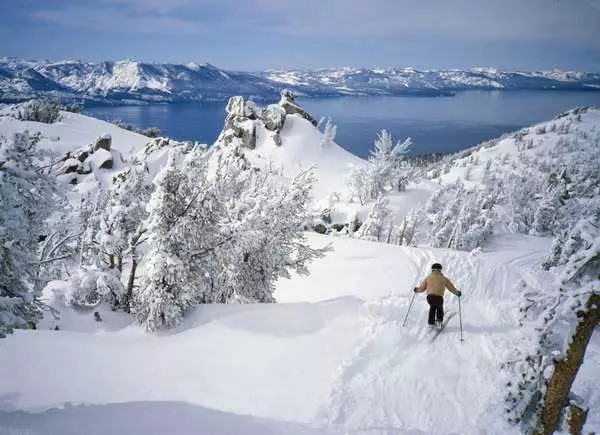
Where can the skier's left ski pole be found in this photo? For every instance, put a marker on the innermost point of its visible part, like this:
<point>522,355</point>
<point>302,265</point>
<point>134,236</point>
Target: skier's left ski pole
<point>411,302</point>
<point>460,317</point>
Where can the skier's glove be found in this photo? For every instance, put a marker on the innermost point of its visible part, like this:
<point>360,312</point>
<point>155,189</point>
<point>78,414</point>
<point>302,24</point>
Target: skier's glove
<point>459,293</point>
<point>416,290</point>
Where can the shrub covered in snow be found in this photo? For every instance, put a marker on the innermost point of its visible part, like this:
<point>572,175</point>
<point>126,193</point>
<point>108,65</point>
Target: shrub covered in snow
<point>39,110</point>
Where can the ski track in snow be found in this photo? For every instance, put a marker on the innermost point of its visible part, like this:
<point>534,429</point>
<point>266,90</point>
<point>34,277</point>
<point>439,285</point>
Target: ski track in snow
<point>332,358</point>
<point>399,381</point>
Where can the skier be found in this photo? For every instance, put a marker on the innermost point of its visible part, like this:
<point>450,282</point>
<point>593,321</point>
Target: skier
<point>435,285</point>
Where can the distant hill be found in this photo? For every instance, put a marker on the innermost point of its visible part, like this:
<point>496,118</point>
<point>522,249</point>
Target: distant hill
<point>126,82</point>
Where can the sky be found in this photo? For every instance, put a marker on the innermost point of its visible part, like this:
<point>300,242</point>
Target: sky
<point>266,34</point>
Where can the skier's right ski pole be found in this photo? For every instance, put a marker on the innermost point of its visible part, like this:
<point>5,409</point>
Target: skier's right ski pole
<point>411,302</point>
<point>460,317</point>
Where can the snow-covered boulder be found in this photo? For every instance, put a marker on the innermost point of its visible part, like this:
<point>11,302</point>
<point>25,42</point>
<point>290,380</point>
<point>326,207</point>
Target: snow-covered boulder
<point>273,116</point>
<point>102,159</point>
<point>103,142</point>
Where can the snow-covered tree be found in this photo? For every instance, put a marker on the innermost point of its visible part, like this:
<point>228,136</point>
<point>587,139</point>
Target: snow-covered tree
<point>123,224</point>
<point>563,316</point>
<point>384,170</point>
<point>402,171</point>
<point>171,283</point>
<point>375,225</point>
<point>220,231</point>
<point>266,218</point>
<point>27,198</point>
<point>329,131</point>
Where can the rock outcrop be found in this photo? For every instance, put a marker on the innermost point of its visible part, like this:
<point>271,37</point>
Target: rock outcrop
<point>243,117</point>
<point>239,123</point>
<point>288,102</point>
<point>78,163</point>
<point>103,142</point>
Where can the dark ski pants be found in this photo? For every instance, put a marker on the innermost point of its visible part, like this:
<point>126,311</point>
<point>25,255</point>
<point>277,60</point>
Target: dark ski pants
<point>436,308</point>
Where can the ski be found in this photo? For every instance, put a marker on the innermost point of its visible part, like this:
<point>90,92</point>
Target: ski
<point>438,331</point>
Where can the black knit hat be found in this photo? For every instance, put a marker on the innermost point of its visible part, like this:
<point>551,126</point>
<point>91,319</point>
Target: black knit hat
<point>436,266</point>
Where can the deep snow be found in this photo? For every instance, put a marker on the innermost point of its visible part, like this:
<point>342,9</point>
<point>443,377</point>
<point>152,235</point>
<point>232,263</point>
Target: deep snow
<point>332,355</point>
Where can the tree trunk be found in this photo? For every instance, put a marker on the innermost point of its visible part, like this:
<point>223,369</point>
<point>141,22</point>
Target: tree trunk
<point>565,370</point>
<point>577,417</point>
<point>130,282</point>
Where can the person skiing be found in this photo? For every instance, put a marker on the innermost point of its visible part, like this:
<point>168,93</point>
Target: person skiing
<point>435,284</point>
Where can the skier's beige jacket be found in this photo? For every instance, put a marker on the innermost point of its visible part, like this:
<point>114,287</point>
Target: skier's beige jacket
<point>436,283</point>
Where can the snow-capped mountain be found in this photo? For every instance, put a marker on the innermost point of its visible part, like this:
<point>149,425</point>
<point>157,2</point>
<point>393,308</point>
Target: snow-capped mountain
<point>115,82</point>
<point>127,81</point>
<point>394,81</point>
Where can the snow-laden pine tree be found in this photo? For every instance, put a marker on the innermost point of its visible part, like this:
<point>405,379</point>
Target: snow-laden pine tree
<point>123,223</point>
<point>329,132</point>
<point>112,224</point>
<point>474,223</point>
<point>264,217</point>
<point>377,222</point>
<point>384,170</point>
<point>171,282</point>
<point>219,230</point>
<point>27,198</point>
<point>402,170</point>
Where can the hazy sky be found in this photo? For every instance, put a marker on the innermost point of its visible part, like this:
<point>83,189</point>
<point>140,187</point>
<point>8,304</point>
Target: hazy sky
<point>261,34</point>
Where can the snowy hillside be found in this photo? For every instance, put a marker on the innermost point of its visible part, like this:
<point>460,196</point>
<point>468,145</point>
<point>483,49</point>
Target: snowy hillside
<point>514,222</point>
<point>331,358</point>
<point>128,81</point>
<point>79,132</point>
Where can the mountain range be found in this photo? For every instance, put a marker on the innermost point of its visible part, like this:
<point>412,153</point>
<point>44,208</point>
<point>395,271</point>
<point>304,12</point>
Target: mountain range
<point>132,82</point>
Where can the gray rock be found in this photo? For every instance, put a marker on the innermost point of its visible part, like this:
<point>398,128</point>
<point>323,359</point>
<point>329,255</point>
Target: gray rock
<point>104,142</point>
<point>81,155</point>
<point>240,123</point>
<point>276,138</point>
<point>289,105</point>
<point>69,166</point>
<point>103,159</point>
<point>273,117</point>
<point>235,106</point>
<point>84,168</point>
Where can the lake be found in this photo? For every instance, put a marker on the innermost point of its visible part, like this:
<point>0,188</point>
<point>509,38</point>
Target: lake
<point>436,124</point>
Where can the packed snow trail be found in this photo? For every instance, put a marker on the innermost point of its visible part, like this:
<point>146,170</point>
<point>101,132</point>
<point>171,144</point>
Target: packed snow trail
<point>398,380</point>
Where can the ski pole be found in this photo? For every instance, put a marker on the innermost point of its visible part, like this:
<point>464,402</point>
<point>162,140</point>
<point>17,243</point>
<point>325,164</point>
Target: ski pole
<point>460,317</point>
<point>411,302</point>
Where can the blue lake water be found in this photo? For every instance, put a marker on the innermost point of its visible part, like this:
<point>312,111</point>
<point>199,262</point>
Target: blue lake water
<point>436,124</point>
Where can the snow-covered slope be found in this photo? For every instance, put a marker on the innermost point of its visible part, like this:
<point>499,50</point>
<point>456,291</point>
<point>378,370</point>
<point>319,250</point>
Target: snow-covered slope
<point>127,80</point>
<point>285,138</point>
<point>302,148</point>
<point>331,358</point>
<point>556,140</point>
<point>75,131</point>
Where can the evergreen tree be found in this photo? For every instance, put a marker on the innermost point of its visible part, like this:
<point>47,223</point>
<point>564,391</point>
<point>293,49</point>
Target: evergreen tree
<point>374,226</point>
<point>384,170</point>
<point>27,198</point>
<point>170,284</point>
